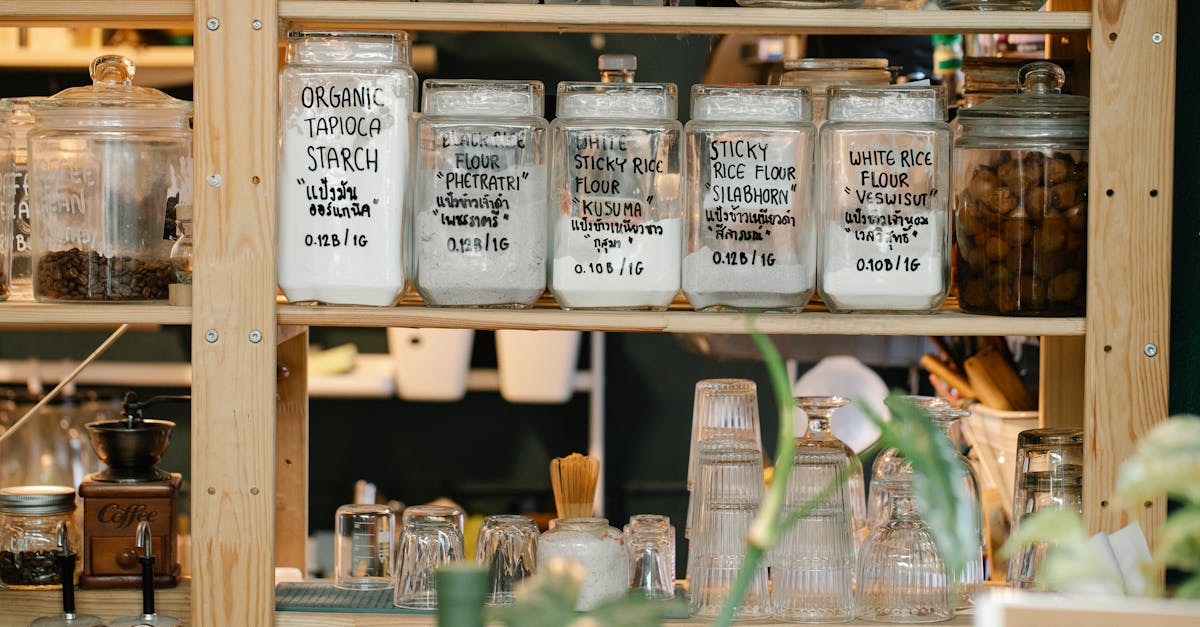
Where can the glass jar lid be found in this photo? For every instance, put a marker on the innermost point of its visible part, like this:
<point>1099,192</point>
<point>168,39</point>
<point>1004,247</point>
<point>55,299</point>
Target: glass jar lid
<point>32,500</point>
<point>111,100</point>
<point>359,47</point>
<point>629,101</point>
<point>821,73</point>
<point>888,103</point>
<point>1039,113</point>
<point>1050,437</point>
<point>483,98</point>
<point>774,103</point>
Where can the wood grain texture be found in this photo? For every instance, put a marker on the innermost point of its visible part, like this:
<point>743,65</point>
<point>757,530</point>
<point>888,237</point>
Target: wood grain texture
<point>1129,248</point>
<point>314,619</point>
<point>1060,387</point>
<point>17,312</point>
<point>233,424</point>
<point>1074,46</point>
<point>19,607</point>
<point>627,19</point>
<point>291,451</point>
<point>114,13</point>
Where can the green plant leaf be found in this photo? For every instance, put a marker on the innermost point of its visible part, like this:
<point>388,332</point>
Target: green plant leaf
<point>938,479</point>
<point>1167,461</point>
<point>635,611</point>
<point>1189,589</point>
<point>1179,540</point>
<point>1070,558</point>
<point>545,600</point>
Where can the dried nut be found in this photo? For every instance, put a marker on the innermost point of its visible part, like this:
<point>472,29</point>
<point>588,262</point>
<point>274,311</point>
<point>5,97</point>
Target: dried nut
<point>1051,237</point>
<point>996,248</point>
<point>1064,195</point>
<point>982,183</point>
<point>1017,231</point>
<point>1066,286</point>
<point>1031,292</point>
<point>974,294</point>
<point>1036,201</point>
<point>1001,200</point>
<point>1057,170</point>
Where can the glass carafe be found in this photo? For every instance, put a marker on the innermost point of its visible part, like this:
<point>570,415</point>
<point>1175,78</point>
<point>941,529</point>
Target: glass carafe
<point>108,164</point>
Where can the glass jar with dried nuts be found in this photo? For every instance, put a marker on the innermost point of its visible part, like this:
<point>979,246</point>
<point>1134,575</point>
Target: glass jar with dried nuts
<point>1021,186</point>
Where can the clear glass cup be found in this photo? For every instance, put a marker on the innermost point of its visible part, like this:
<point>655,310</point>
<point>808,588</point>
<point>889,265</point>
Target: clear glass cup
<point>729,481</point>
<point>597,548</point>
<point>749,164</point>
<point>363,547</point>
<point>1052,451</point>
<point>819,410</point>
<point>1043,490</point>
<point>651,541</point>
<point>507,547</point>
<point>812,567</point>
<point>901,575</point>
<point>430,536</point>
<point>724,413</point>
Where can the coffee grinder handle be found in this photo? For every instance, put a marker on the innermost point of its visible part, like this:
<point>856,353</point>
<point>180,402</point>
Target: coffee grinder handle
<point>147,560</point>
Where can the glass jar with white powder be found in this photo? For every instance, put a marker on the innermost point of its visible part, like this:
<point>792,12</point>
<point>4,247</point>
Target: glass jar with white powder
<point>749,157</point>
<point>885,237</point>
<point>346,99</point>
<point>597,548</point>
<point>480,194</point>
<point>616,216</point>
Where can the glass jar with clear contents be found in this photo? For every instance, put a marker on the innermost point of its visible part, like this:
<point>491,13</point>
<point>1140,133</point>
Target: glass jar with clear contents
<point>7,196</point>
<point>29,521</point>
<point>818,75</point>
<point>16,114</point>
<point>108,165</point>
<point>346,99</point>
<point>1021,186</point>
<point>884,225</point>
<point>480,208</point>
<point>616,213</point>
<point>749,159</point>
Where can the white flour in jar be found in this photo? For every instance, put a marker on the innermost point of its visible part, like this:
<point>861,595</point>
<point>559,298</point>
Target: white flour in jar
<point>343,166</point>
<point>604,560</point>
<point>614,264</point>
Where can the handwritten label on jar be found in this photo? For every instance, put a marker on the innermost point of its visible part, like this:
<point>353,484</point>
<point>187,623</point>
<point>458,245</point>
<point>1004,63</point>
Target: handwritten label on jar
<point>343,161</point>
<point>747,241</point>
<point>68,191</point>
<point>21,243</point>
<point>481,232</point>
<point>612,249</point>
<point>885,239</point>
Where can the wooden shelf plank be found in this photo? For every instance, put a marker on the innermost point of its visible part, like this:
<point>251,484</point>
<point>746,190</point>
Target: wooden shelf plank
<point>321,619</point>
<point>92,314</point>
<point>824,323</point>
<point>625,19</point>
<point>112,13</point>
<point>22,606</point>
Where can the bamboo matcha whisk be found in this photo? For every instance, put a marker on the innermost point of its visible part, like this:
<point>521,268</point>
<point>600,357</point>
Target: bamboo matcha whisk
<point>574,480</point>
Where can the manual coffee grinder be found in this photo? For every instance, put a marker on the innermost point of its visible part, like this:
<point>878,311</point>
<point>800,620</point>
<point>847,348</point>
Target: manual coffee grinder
<point>131,490</point>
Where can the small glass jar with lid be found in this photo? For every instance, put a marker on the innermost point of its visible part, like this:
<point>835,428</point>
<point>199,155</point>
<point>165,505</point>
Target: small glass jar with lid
<point>108,165</point>
<point>818,75</point>
<point>480,209</point>
<point>1021,186</point>
<point>885,220</point>
<point>749,159</point>
<point>616,229</point>
<point>29,521</point>
<point>346,99</point>
<point>993,5</point>
<point>597,548</point>
<point>16,114</point>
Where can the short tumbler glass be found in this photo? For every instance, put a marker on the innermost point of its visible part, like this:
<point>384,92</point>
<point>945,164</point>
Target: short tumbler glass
<point>363,547</point>
<point>430,537</point>
<point>507,547</point>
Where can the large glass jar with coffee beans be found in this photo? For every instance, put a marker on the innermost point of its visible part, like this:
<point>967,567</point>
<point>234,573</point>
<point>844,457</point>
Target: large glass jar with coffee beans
<point>1021,188</point>
<point>108,164</point>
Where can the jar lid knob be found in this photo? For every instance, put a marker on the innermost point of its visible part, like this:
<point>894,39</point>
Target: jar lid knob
<point>1041,77</point>
<point>112,69</point>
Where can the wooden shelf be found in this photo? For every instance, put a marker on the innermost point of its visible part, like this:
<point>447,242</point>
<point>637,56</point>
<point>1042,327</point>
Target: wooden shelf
<point>22,606</point>
<point>321,619</point>
<point>816,322</point>
<point>79,58</point>
<point>110,13</point>
<point>626,19</point>
<point>91,314</point>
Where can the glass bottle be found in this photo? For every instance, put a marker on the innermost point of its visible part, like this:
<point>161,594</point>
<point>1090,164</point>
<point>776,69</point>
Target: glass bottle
<point>181,252</point>
<point>109,163</point>
<point>885,222</point>
<point>17,115</point>
<point>30,517</point>
<point>751,243</point>
<point>1021,208</point>
<point>616,215</point>
<point>596,547</point>
<point>346,99</point>
<point>480,207</point>
<point>818,75</point>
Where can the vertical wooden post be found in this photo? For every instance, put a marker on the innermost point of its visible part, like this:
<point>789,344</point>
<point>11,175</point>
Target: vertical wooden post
<point>291,450</point>
<point>1060,390</point>
<point>1129,242</point>
<point>233,314</point>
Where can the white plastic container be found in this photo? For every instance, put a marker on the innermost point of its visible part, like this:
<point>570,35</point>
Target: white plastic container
<point>431,364</point>
<point>537,366</point>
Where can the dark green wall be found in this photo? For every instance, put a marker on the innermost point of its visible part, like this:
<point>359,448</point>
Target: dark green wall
<point>1185,267</point>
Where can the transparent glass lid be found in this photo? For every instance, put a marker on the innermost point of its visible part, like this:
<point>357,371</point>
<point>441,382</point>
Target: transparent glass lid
<point>483,98</point>
<point>112,99</point>
<point>657,101</point>
<point>886,103</point>
<point>773,103</point>
<point>359,47</point>
<point>1038,111</point>
<point>835,64</point>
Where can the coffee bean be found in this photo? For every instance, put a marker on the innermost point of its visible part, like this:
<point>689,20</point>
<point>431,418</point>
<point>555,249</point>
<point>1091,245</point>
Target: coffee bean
<point>75,275</point>
<point>29,568</point>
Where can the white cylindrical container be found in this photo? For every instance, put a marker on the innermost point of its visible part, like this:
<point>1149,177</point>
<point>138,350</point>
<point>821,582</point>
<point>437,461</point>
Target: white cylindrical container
<point>480,194</point>
<point>346,99</point>
<point>431,364</point>
<point>537,366</point>
<point>749,159</point>
<point>884,226</point>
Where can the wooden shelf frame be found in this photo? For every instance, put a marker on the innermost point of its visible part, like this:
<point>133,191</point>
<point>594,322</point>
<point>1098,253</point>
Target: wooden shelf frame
<point>249,451</point>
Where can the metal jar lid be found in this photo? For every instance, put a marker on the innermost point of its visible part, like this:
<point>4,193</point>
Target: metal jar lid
<point>37,499</point>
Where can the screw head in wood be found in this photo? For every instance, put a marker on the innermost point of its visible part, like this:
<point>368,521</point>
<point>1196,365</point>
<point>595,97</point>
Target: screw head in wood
<point>211,336</point>
<point>255,336</point>
<point>1156,38</point>
<point>256,24</point>
<point>213,180</point>
<point>213,23</point>
<point>1150,350</point>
